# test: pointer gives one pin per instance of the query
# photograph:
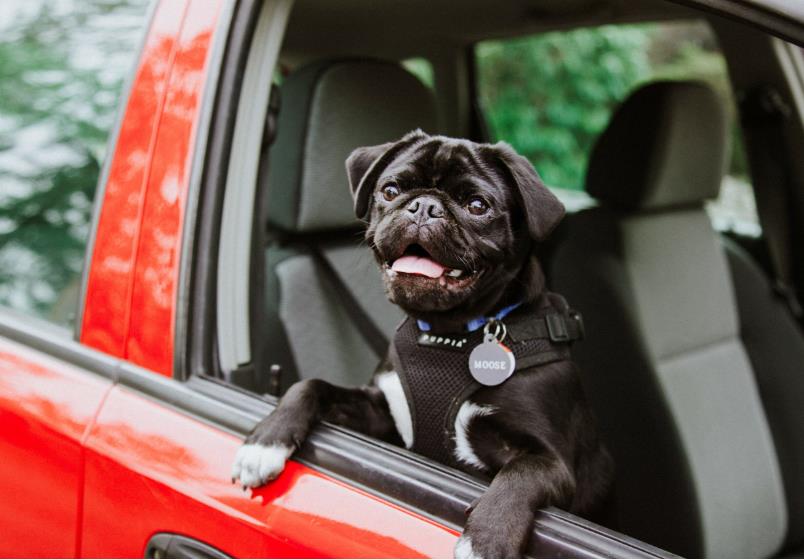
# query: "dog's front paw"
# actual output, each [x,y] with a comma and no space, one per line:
[463,548]
[255,464]
[494,536]
[487,544]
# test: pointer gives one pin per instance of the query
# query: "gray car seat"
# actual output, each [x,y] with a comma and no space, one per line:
[674,343]
[328,109]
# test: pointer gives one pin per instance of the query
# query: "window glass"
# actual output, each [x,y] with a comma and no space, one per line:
[62,66]
[551,95]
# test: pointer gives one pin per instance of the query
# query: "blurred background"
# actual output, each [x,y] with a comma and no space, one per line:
[62,68]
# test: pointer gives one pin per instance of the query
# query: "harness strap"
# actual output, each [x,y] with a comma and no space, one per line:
[557,327]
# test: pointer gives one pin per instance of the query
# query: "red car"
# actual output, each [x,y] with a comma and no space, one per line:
[128,382]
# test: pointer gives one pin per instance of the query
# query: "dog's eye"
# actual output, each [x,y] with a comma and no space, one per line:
[390,191]
[477,206]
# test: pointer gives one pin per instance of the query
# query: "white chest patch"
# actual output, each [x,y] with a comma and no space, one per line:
[463,447]
[389,383]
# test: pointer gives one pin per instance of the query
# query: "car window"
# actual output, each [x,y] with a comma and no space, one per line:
[62,66]
[551,95]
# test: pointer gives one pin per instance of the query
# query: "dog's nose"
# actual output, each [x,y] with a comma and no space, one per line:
[425,208]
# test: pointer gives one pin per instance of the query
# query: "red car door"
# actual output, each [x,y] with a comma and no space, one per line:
[47,406]
[55,113]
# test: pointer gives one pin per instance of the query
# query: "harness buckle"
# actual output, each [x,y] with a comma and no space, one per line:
[565,327]
[557,327]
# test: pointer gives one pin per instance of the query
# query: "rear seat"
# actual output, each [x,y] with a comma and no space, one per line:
[328,109]
[685,341]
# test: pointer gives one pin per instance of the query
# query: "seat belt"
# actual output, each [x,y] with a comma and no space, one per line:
[365,325]
[764,113]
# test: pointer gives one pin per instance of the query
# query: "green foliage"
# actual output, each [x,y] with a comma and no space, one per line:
[551,95]
[61,69]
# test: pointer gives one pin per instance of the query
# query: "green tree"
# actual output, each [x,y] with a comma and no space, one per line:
[551,95]
[61,69]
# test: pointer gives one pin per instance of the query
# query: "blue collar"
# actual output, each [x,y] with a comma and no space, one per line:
[476,323]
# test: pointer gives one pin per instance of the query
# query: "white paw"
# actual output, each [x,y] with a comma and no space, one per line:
[463,548]
[256,464]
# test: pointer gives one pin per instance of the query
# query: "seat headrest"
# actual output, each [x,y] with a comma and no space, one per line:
[327,110]
[665,146]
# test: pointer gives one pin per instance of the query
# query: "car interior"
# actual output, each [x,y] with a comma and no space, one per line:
[693,355]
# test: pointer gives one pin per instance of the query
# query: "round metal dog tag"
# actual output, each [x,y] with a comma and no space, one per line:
[491,362]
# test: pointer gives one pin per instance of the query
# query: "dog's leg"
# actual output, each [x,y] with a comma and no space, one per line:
[502,520]
[266,449]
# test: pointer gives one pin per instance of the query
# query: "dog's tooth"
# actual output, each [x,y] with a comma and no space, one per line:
[455,273]
[390,273]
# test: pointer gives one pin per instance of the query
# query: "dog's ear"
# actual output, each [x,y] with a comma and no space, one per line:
[357,166]
[364,165]
[543,211]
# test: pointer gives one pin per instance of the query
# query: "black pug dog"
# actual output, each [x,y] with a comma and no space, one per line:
[479,376]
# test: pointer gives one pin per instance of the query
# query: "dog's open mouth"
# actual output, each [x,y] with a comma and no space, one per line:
[416,261]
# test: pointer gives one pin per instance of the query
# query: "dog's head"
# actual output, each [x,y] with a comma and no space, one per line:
[451,222]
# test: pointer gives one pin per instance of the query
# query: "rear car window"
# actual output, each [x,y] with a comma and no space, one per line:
[551,95]
[62,66]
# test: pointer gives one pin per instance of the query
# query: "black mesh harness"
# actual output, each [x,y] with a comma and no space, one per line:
[434,371]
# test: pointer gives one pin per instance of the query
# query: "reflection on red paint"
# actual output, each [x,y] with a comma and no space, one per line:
[107,306]
[151,334]
[177,470]
[46,407]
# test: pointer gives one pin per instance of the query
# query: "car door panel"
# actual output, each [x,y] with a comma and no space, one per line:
[46,408]
[151,469]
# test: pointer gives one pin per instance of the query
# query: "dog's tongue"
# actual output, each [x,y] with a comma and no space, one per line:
[418,265]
